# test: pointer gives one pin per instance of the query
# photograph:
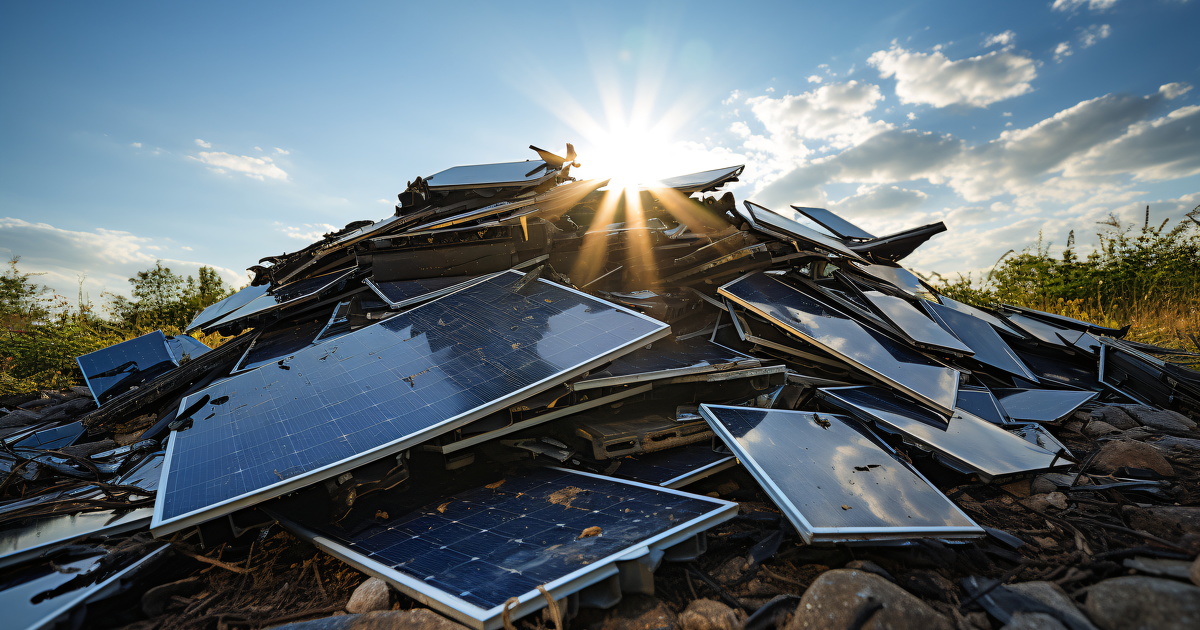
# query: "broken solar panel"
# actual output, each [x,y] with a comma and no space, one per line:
[774,223]
[1045,332]
[401,293]
[288,293]
[912,322]
[384,388]
[700,182]
[665,359]
[228,305]
[835,224]
[833,479]
[280,339]
[673,468]
[467,553]
[836,333]
[113,370]
[980,336]
[500,175]
[1041,405]
[185,347]
[980,402]
[965,442]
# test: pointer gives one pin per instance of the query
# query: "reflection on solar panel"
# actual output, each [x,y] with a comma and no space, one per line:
[1045,332]
[1041,405]
[280,339]
[833,479]
[665,359]
[118,368]
[838,334]
[966,443]
[674,468]
[294,292]
[384,388]
[490,175]
[902,314]
[979,401]
[773,222]
[698,182]
[466,554]
[898,277]
[990,348]
[834,223]
[228,305]
[401,293]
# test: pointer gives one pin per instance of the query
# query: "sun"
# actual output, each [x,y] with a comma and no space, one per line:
[628,155]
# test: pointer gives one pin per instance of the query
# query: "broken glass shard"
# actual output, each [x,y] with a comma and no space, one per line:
[833,479]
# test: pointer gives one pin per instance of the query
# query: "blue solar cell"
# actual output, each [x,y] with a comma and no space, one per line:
[487,544]
[384,388]
[120,367]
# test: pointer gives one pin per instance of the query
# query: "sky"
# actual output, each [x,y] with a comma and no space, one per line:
[218,133]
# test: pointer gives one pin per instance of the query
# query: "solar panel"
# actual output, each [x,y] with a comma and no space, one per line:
[674,468]
[966,443]
[980,402]
[923,330]
[185,347]
[698,182]
[836,333]
[120,367]
[898,277]
[834,223]
[498,175]
[228,305]
[280,339]
[465,554]
[980,336]
[385,388]
[665,359]
[401,293]
[1041,405]
[773,222]
[833,479]
[1045,332]
[291,292]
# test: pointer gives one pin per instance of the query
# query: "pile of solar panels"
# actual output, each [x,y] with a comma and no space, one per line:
[493,397]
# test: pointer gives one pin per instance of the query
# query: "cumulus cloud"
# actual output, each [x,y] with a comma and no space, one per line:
[935,79]
[309,232]
[107,258]
[1000,39]
[279,151]
[812,78]
[257,168]
[202,144]
[136,145]
[835,114]
[1159,149]
[1093,5]
[1062,51]
[1094,33]
[1173,91]
[870,200]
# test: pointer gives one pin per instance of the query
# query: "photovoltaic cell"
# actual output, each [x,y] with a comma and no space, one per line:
[834,480]
[836,333]
[384,388]
[399,293]
[467,553]
[120,367]
[291,292]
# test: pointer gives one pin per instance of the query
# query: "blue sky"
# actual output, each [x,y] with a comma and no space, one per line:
[218,133]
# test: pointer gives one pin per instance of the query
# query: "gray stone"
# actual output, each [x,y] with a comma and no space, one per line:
[707,614]
[1098,428]
[871,567]
[415,619]
[1033,621]
[1040,502]
[1052,595]
[1164,521]
[1051,482]
[1161,418]
[1170,444]
[1131,454]
[1114,416]
[372,595]
[1137,602]
[1194,571]
[847,598]
[1161,567]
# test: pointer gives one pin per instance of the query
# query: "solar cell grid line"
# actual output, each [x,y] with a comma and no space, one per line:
[384,388]
[467,552]
[113,370]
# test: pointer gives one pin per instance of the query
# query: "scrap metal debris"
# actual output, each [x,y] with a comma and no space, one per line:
[624,343]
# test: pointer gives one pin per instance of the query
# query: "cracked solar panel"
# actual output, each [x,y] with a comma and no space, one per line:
[385,388]
[833,479]
[113,370]
[966,442]
[228,305]
[291,292]
[836,333]
[466,553]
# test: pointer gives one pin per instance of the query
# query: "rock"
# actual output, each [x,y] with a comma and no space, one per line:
[1139,434]
[1135,602]
[1097,428]
[1114,416]
[706,614]
[1164,521]
[641,612]
[1194,571]
[415,619]
[1172,444]
[370,596]
[928,586]
[1161,418]
[1051,482]
[731,570]
[1040,502]
[1131,454]
[870,567]
[82,390]
[1052,595]
[1033,621]
[848,598]
[1161,567]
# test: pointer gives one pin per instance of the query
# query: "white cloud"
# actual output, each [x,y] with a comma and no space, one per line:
[257,168]
[309,232]
[910,116]
[871,199]
[934,79]
[1159,149]
[1094,33]
[279,151]
[108,258]
[1071,5]
[202,144]
[1062,51]
[812,78]
[835,113]
[1000,39]
[136,145]
[740,128]
[1173,91]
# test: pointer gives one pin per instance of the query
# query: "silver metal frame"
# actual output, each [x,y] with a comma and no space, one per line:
[160,527]
[489,619]
[813,534]
[98,591]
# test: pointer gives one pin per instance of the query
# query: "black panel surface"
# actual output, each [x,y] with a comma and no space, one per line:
[901,313]
[834,223]
[980,336]
[121,366]
[1041,405]
[982,403]
[666,358]
[833,479]
[405,292]
[280,339]
[777,222]
[385,387]
[673,468]
[835,332]
[185,347]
